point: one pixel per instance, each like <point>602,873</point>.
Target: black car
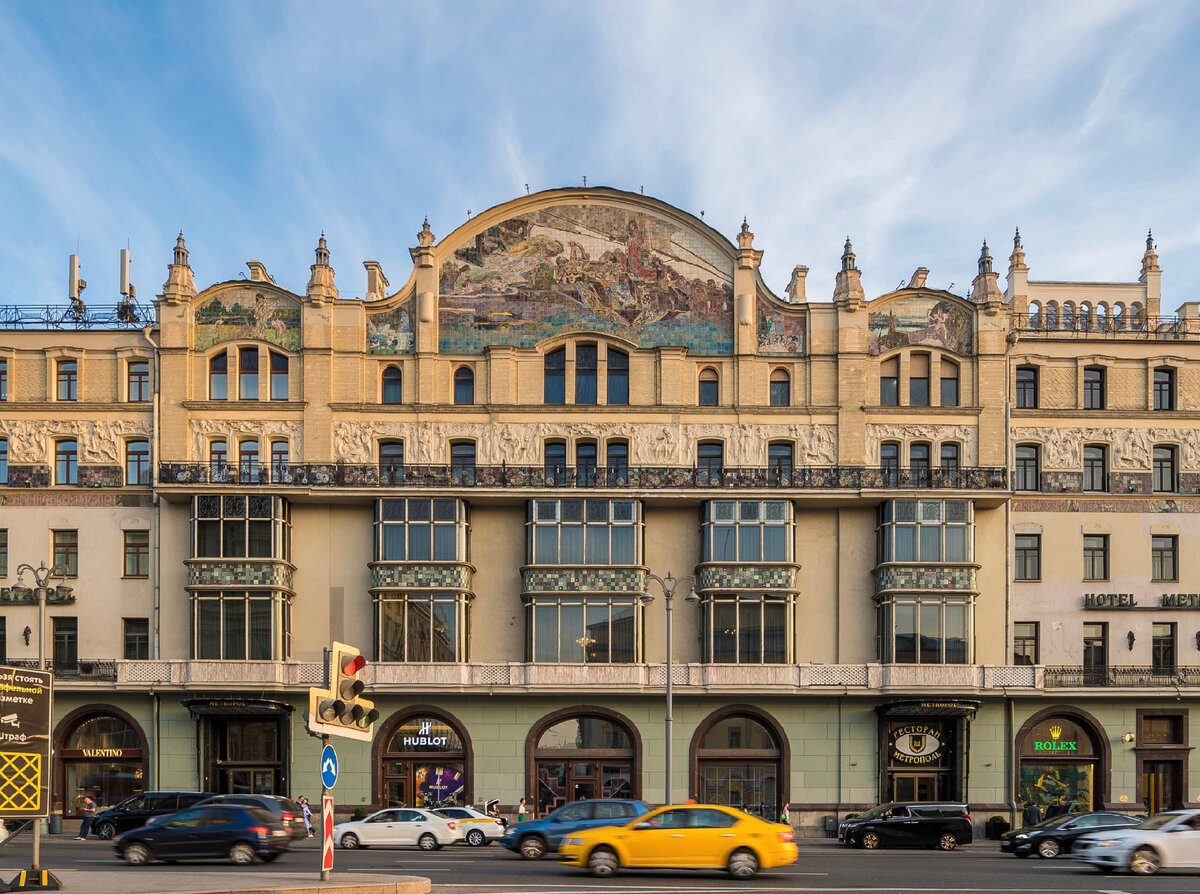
<point>939,824</point>
<point>204,833</point>
<point>285,810</point>
<point>135,811</point>
<point>1056,835</point>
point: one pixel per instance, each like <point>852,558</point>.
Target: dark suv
<point>939,824</point>
<point>533,839</point>
<point>136,811</point>
<point>283,809</point>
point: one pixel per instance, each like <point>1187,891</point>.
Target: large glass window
<point>747,531</point>
<point>393,386</point>
<point>1164,557</point>
<point>218,376</point>
<point>781,388</point>
<point>1164,388</point>
<point>279,376</point>
<point>554,377</point>
<point>746,628</point>
<point>421,530</point>
<point>1028,557</point>
<point>1027,387</point>
<point>949,395</point>
<point>1025,642</point>
<point>569,629</point>
<point>585,373</point>
<point>1093,388</point>
<point>138,385</point>
<point>66,462</point>
<point>423,627</point>
<point>68,380</point>
<point>1095,467</point>
<point>66,551</point>
<point>1164,478</point>
<point>925,629</point>
<point>240,626</point>
<point>1095,557</point>
<point>710,388</point>
<point>1026,475</point>
<point>239,527</point>
<point>618,377</point>
<point>137,462</point>
<point>464,386</point>
<point>926,531</point>
<point>583,532</point>
<point>137,553</point>
<point>248,373</point>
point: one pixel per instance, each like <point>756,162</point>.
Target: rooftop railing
<point>125,315</point>
<point>1050,325</point>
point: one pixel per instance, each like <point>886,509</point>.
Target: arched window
<point>391,461</point>
<point>585,373</point>
<point>393,386</point>
<point>280,461</point>
<point>425,761</point>
<point>781,388</point>
<point>279,376</point>
<point>949,393</point>
<point>464,385</point>
<point>918,380</point>
<point>1068,315</point>
<point>554,377</point>
<point>218,376</point>
<point>1035,315</point>
<point>948,464</point>
<point>556,462</point>
<point>137,462</point>
<point>740,760</point>
<point>779,461</point>
<point>66,461</point>
<point>616,460</point>
<point>579,756</point>
<point>462,462</point>
<point>1052,316</point>
<point>889,463</point>
<point>710,458</point>
<point>218,460</point>
<point>618,378</point>
<point>918,465</point>
<point>710,392</point>
<point>585,463</point>
<point>118,774</point>
<point>248,461</point>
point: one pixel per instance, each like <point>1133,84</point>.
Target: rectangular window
<point>1026,475</point>
<point>248,374</point>
<point>1095,557</point>
<point>238,626</point>
<point>420,530</point>
<point>1164,389</point>
<point>236,527</point>
<point>279,376</point>
<point>618,378</point>
<point>925,629</point>
<point>280,460</point>
<point>1025,642</point>
<point>1163,469</point>
<point>617,461</point>
<point>137,462</point>
<point>1162,649</point>
<point>1027,388</point>
<point>925,531</point>
<point>585,373</point>
<point>3,552</point>
<point>582,630</point>
<point>1029,557</point>
<point>137,553</point>
<point>422,627</point>
<point>65,634</point>
<point>1093,388</point>
<point>918,380</point>
<point>583,532</point>
<point>554,377</point>
<point>218,376</point>
<point>747,531</point>
<point>1095,654</point>
<point>68,380</point>
<point>137,638</point>
<point>746,628</point>
<point>1164,552</point>
<point>66,462</point>
<point>1095,468</point>
<point>139,381</point>
<point>949,394</point>
<point>3,461</point>
<point>66,551</point>
<point>3,380</point>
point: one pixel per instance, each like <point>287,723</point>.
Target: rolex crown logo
<point>1055,732</point>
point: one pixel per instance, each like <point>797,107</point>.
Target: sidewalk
<point>196,880</point>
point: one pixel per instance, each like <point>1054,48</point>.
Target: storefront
<point>102,753</point>
<point>924,746</point>
<point>740,761</point>
<point>1063,755</point>
<point>244,745</point>
<point>583,753</point>
<point>423,758</point>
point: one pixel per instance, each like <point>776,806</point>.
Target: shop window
<point>926,531</point>
<point>137,553</point>
<point>1163,469</point>
<point>1027,474</point>
<point>1161,729</point>
<point>462,462</point>
<point>137,384</point>
<point>110,779</point>
<point>1164,388</point>
<point>66,461</point>
<point>1164,557</point>
<point>554,377</point>
<point>136,636</point>
<point>1026,642</point>
<point>1095,467</point>
<point>741,531</point>
<point>747,628</point>
<point>1059,765</point>
<point>1028,560</point>
<point>1095,557</point>
<point>583,757</point>
<point>235,526</point>
<point>741,763</point>
<point>66,551</point>
<point>781,388</point>
<point>68,380</point>
<point>583,532</point>
<point>248,373</point>
<point>137,462</point>
<point>918,380</point>
<point>241,626</point>
<point>618,378</point>
<point>1163,648</point>
<point>393,386</point>
<point>585,373</point>
<point>464,386</point>
<point>925,628</point>
<point>279,376</point>
<point>709,386</point>
<point>421,530</point>
<point>1093,388</point>
<point>710,459</point>
<point>423,627</point>
<point>218,377</point>
<point>1027,387</point>
<point>889,382</point>
<point>570,629</point>
<point>391,461</point>
<point>949,394</point>
<point>425,763</point>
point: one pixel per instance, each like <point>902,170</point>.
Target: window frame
<point>780,388</point>
<point>1164,557</point>
<point>66,462</point>
<point>1164,475</point>
<point>1027,469</point>
<point>1027,387</point>
<point>137,381</point>
<point>1095,468</point>
<point>391,385</point>
<point>1026,639</point>
<point>948,390</point>
<point>135,553</point>
<point>66,371</point>
<point>1094,390</point>
<point>137,463</point>
<point>708,387</point>
<point>1027,557</point>
<point>65,549</point>
<point>464,386</point>
<point>587,373</point>
<point>616,364</point>
<point>554,377</point>
<point>218,376</point>
<point>249,369</point>
<point>1163,380</point>
<point>135,636</point>
<point>1095,557</point>
<point>280,384</point>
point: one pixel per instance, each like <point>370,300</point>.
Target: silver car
<point>1167,841</point>
<point>397,827</point>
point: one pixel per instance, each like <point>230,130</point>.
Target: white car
<point>398,826</point>
<point>1165,841</point>
<point>478,827</point>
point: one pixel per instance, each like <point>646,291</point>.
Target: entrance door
<point>916,786</point>
<point>1162,785</point>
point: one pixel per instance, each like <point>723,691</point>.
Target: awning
<point>236,707</point>
<point>930,708</point>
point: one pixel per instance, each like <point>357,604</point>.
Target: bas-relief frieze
<point>203,430</point>
<point>1130,448</point>
<point>879,432</point>
<point>521,444</point>
<point>99,441</point>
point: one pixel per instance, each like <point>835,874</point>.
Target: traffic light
<point>341,710</point>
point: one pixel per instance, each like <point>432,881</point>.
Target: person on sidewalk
<point>88,809</point>
<point>308,826</point>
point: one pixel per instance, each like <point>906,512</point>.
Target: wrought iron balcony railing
<point>1130,676</point>
<point>80,669</point>
<point>125,315</point>
<point>1092,326</point>
<point>629,478</point>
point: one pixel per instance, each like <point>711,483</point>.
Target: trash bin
<point>56,824</point>
<point>996,826</point>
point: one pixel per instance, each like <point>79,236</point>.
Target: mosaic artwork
<point>391,332</point>
<point>918,320</point>
<point>248,314</point>
<point>780,331</point>
<point>593,268</point>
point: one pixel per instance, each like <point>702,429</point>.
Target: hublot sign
<point>1129,601</point>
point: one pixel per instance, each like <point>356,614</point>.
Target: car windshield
<point>1157,822</point>
<point>875,812</point>
<point>1053,822</point>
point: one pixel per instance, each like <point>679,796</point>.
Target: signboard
<point>329,767</point>
<point>916,745</point>
<point>25,705</point>
<point>1129,601</point>
<point>326,833</point>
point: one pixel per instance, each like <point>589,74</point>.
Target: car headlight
<point>1107,842</point>
<point>1020,835</point>
<point>571,841</point>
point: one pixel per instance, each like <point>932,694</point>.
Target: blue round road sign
<point>329,767</point>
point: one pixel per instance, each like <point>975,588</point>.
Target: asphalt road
<point>824,866</point>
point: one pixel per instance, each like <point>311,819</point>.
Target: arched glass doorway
<point>102,756</point>
<point>739,763</point>
<point>1060,765</point>
<point>424,763</point>
<point>584,756</point>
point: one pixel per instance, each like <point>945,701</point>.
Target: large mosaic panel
<point>248,314</point>
<point>780,332</point>
<point>918,320</point>
<point>594,268</point>
<point>391,332</point>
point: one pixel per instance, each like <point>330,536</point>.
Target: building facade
<point>917,546</point>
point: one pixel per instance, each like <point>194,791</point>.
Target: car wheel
<point>349,841</point>
<point>603,862</point>
<point>1048,848</point>
<point>427,842</point>
<point>105,831</point>
<point>743,864</point>
<point>533,848</point>
<point>870,840</point>
<point>241,853</point>
<point>475,838</point>
<point>137,854</point>
<point>948,841</point>
<point>1145,861</point>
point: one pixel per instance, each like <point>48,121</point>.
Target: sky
<point>918,130</point>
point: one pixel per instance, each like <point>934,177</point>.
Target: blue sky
<point>918,129</point>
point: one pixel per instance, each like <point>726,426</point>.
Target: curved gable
<point>937,319</point>
<point>609,266</point>
<point>251,309</point>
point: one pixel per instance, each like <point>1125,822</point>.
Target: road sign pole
<point>326,819</point>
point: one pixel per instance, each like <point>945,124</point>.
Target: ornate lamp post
<point>668,585</point>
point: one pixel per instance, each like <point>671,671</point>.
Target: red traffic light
<point>353,664</point>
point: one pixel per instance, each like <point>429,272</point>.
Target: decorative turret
<point>1016,261</point>
<point>424,249</point>
<point>180,284</point>
<point>1151,277</point>
<point>321,287</point>
<point>1150,258</point>
<point>1017,291</point>
<point>985,289</point>
<point>848,290</point>
<point>748,258</point>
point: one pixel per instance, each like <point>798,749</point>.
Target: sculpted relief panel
<point>934,434</point>
<point>203,430</point>
<point>99,441</point>
<point>1129,449</point>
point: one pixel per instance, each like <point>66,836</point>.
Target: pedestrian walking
<point>1033,813</point>
<point>307,811</point>
<point>88,809</point>
<point>521,811</point>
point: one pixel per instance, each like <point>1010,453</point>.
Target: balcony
<point>1124,677</point>
<point>807,478</point>
<point>1139,327</point>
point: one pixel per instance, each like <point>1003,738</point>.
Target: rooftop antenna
<point>125,310</point>
<point>585,179</point>
<point>702,215</point>
<point>526,189</point>
<point>642,190</point>
<point>75,285</point>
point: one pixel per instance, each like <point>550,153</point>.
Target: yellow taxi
<point>687,836</point>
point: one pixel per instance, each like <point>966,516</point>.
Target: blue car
<point>231,832</point>
<point>533,839</point>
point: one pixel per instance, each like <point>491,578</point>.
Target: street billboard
<point>26,698</point>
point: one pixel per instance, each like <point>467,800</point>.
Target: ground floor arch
<point>423,758</point>
<point>740,758</point>
<point>582,752</point>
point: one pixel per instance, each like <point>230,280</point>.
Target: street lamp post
<point>41,576</point>
<point>668,585</point>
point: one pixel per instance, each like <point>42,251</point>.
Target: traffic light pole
<point>326,822</point>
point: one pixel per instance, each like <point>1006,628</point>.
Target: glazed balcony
<point>801,478</point>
